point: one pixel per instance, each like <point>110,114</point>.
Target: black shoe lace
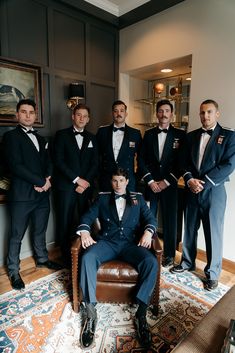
<point>89,325</point>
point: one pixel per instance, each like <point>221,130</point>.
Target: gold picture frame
<point>19,80</point>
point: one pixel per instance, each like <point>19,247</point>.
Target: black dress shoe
<point>180,269</point>
<point>143,332</point>
<point>88,332</point>
<point>211,284</point>
<point>49,264</point>
<point>17,282</point>
<point>167,261</point>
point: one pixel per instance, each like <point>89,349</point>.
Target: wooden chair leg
<point>76,297</point>
<point>156,291</point>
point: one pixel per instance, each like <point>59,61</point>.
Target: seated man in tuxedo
<point>120,214</point>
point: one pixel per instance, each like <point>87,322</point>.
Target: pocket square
<point>90,145</point>
<point>132,144</point>
<point>46,146</point>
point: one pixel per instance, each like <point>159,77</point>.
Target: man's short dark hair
<point>25,101</point>
<point>211,101</point>
<point>118,102</point>
<point>81,106</point>
<point>163,102</point>
<point>120,172</point>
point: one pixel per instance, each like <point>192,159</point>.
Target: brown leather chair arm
<point>76,244</point>
<point>156,246</point>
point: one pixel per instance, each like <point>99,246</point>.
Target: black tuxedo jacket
<point>218,160</point>
<point>150,166</point>
<point>126,158</point>
<point>27,166</point>
<point>136,214</point>
<point>71,162</point>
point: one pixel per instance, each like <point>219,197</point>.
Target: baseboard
<point>227,265</point>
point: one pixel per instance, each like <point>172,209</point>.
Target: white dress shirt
<point>79,138</point>
<point>161,142</point>
<point>203,143</point>
<point>117,142</point>
<point>120,205</point>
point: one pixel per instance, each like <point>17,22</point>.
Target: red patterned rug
<point>40,319</point>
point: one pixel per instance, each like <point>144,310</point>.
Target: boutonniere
<point>176,143</point>
<point>220,139</point>
<point>134,200</point>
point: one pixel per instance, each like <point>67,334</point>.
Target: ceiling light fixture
<point>166,70</point>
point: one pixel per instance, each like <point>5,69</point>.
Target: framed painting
<point>19,80</point>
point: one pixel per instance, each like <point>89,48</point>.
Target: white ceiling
<point>180,66</point>
<point>117,7</point>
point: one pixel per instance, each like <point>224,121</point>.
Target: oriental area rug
<point>40,319</point>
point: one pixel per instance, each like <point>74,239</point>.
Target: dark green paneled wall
<point>70,46</point>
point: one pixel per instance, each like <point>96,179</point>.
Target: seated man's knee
<point>150,262</point>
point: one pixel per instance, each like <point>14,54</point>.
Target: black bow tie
<point>118,129</point>
<point>209,132</point>
<point>117,196</point>
<point>161,130</point>
<point>29,131</point>
<point>34,132</point>
<point>78,133</point>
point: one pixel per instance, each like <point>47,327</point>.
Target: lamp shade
<point>76,90</point>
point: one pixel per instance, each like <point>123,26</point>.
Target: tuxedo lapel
<point>155,144</point>
<point>30,142</point>
<point>196,148</point>
<point>209,150</point>
<point>85,141</point>
<point>125,143</point>
<point>73,140</point>
<point>113,208</point>
<point>109,142</point>
<point>127,211</point>
<point>168,143</point>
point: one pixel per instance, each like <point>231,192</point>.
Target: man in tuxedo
<point>26,154</point>
<point>209,159</point>
<point>120,213</point>
<point>76,166</point>
<point>119,145</point>
<point>159,169</point>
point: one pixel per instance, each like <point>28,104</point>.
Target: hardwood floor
<point>30,273</point>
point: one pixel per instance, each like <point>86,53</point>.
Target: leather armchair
<point>116,280</point>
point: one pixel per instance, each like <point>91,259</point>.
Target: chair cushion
<point>117,271</point>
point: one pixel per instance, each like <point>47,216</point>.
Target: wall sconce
<point>159,88</point>
<point>76,92</point>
